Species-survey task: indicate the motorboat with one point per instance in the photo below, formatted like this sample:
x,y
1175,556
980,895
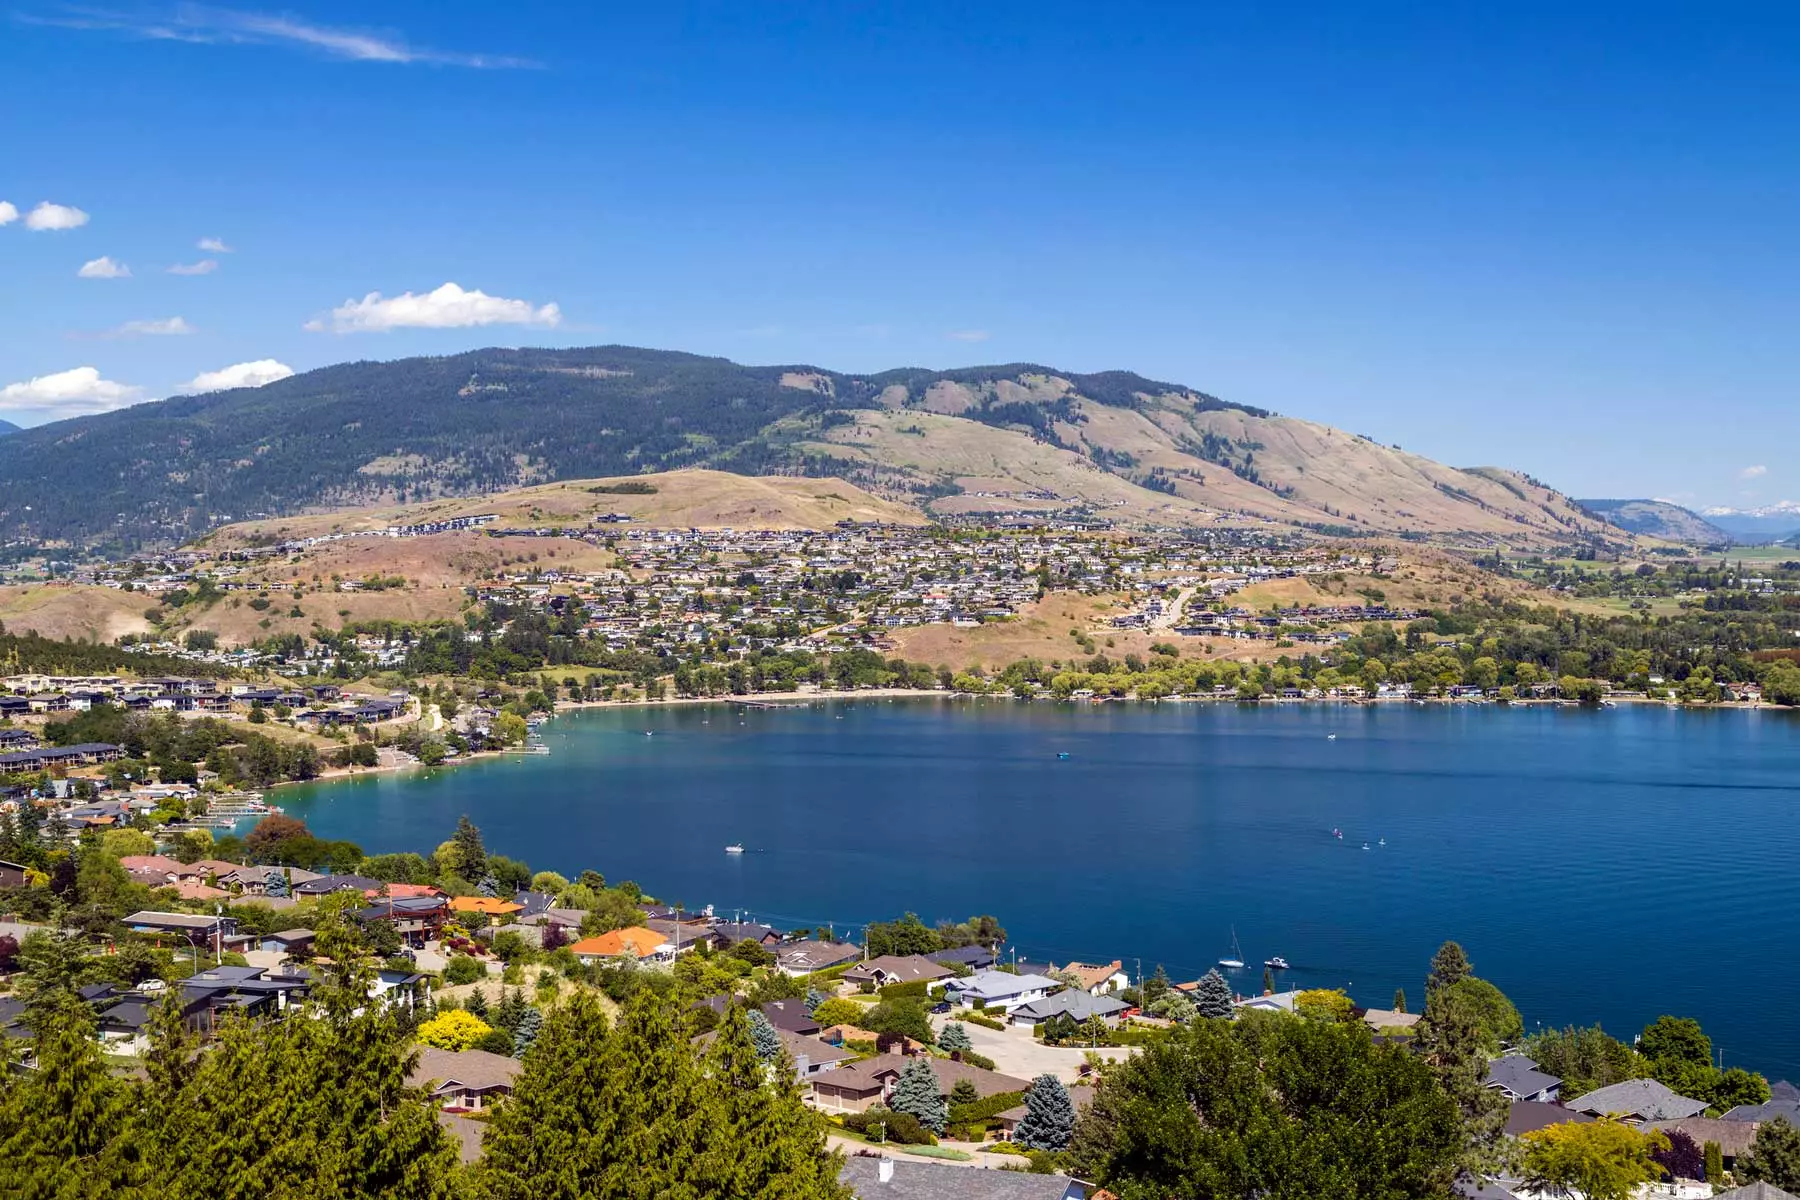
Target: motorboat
x,y
1277,963
735,848
1338,834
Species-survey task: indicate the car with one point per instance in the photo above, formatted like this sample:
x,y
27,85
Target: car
x,y
942,1006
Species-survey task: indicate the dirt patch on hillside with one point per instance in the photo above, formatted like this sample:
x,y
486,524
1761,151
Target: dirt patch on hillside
x,y
73,610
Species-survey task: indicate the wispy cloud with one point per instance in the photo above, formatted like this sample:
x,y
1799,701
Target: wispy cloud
x,y
1755,472
968,335
8,212
104,268
446,307
213,245
160,327
205,266
206,26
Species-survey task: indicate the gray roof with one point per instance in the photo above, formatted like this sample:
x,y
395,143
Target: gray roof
x,y
1756,1191
1078,1004
998,985
1645,1099
470,1068
935,1181
1518,1075
1526,1115
1789,1109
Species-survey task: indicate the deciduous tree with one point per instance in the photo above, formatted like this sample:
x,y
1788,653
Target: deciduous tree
x,y
1602,1160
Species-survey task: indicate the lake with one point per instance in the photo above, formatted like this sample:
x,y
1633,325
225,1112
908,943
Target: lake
x,y
1598,865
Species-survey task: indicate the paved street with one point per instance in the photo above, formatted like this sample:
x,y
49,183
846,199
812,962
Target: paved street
x,y
1016,1054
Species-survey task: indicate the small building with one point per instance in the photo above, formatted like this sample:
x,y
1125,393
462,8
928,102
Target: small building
x,y
897,968
1524,1116
1639,1100
1517,1078
1078,1006
486,910
969,958
1096,979
1000,989
288,941
803,958
464,1080
854,1087
633,942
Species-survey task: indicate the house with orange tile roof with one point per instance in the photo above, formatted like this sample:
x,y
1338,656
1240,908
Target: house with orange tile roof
x,y
1096,979
633,941
495,909
407,891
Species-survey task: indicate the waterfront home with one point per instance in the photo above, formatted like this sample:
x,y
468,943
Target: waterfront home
x,y
1273,1002
897,968
1094,979
803,958
881,1178
1775,1106
972,958
1517,1078
464,1080
727,934
484,910
1000,989
633,942
1388,1022
855,1087
1733,1137
1076,1005
1638,1100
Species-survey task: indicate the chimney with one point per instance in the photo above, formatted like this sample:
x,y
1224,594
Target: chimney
x,y
884,1171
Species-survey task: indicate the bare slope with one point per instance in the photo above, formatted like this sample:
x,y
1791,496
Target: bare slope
x,y
73,610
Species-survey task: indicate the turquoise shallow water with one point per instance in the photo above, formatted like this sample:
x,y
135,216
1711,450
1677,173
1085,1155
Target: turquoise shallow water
x,y
1598,865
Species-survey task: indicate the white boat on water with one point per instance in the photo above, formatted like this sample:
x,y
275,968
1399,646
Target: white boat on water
x,y
735,848
1277,963
1236,961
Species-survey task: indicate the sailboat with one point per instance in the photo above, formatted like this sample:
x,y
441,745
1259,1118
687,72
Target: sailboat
x,y
1236,961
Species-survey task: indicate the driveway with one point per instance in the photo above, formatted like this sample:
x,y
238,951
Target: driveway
x,y
1016,1054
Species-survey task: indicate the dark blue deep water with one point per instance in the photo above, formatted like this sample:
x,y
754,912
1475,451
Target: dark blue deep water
x,y
1598,865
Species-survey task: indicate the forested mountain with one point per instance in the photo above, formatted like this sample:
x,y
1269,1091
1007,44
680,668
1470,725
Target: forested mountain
x,y
1659,519
1018,436
7,427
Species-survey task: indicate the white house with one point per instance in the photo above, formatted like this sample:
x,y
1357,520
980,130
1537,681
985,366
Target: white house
x,y
999,989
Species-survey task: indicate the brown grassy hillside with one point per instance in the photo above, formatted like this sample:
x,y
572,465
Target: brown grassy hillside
x,y
72,610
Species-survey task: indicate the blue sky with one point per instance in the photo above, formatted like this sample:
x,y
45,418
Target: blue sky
x,y
1556,237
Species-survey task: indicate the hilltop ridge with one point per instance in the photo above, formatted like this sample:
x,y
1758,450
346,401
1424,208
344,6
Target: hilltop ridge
x,y
1018,438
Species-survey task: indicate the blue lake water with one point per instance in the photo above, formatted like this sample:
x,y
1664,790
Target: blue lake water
x,y
1598,865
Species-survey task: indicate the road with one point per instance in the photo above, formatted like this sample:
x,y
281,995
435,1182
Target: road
x,y
1015,1053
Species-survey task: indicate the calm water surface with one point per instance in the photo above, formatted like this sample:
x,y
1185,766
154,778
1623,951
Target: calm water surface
x,y
1599,866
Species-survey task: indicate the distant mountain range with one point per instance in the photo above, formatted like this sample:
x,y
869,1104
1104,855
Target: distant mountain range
x,y
7,427
1018,438
1770,523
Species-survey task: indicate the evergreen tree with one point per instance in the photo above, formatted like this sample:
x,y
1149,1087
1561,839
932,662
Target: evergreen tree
x,y
763,1143
510,1012
1156,987
814,998
965,1092
541,1144
1268,982
955,1037
768,1042
63,1125
918,1095
1450,1040
1774,1156
489,886
477,1002
531,1024
1049,1116
467,850
1448,966
1212,998
1399,1000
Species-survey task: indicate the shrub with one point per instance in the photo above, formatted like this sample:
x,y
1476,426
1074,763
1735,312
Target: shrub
x,y
454,1030
983,1110
914,988
986,1022
462,969
839,1012
890,1126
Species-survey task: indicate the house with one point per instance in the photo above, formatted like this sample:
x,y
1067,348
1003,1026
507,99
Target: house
x,y
533,904
258,881
1517,1078
288,941
193,928
1078,1005
464,1080
633,942
897,968
1768,1111
803,958
324,885
971,958
790,1016
12,874
1638,1100
811,1056
417,919
855,1087
1526,1115
1273,1002
727,934
873,1178
1734,1137
1096,980
1756,1191
485,910
1000,989
1388,1021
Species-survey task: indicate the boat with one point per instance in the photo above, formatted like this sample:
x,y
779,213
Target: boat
x,y
1236,961
1366,846
735,848
1331,737
1338,834
1381,841
1277,963
1062,755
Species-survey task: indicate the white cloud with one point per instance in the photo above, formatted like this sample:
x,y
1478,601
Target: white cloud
x,y
8,212
205,266
104,268
448,307
68,394
213,245
969,335
48,217
163,327
200,25
239,375
1753,472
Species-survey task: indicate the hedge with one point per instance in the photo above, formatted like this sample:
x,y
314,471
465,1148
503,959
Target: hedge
x,y
983,1109
914,988
900,1127
978,1060
985,1022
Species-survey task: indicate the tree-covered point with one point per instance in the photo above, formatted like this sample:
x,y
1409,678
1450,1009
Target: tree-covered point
x,y
31,653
